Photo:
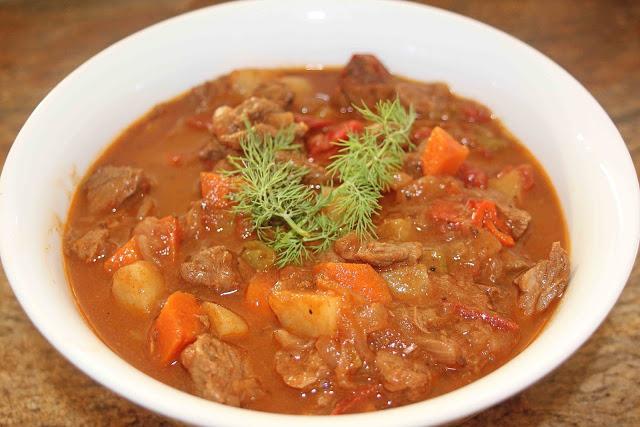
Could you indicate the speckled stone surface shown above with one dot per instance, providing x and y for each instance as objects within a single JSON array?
[{"x": 597, "y": 41}]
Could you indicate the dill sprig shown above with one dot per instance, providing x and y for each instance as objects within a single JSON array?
[
  {"x": 291, "y": 216},
  {"x": 285, "y": 213},
  {"x": 366, "y": 164}
]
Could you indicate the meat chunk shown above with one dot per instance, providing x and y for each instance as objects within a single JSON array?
[
  {"x": 220, "y": 371},
  {"x": 265, "y": 116},
  {"x": 155, "y": 238},
  {"x": 216, "y": 267},
  {"x": 274, "y": 91},
  {"x": 544, "y": 282},
  {"x": 429, "y": 99},
  {"x": 92, "y": 246},
  {"x": 517, "y": 219},
  {"x": 400, "y": 373},
  {"x": 365, "y": 79},
  {"x": 378, "y": 254},
  {"x": 109, "y": 186},
  {"x": 301, "y": 369}
]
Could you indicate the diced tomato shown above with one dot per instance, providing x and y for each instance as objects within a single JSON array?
[
  {"x": 476, "y": 113},
  {"x": 485, "y": 215},
  {"x": 324, "y": 144},
  {"x": 473, "y": 176},
  {"x": 244, "y": 227},
  {"x": 214, "y": 188},
  {"x": 200, "y": 121},
  {"x": 314, "y": 123}
]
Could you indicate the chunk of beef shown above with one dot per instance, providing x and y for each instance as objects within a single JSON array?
[
  {"x": 274, "y": 91},
  {"x": 400, "y": 373},
  {"x": 517, "y": 219},
  {"x": 220, "y": 371},
  {"x": 430, "y": 99},
  {"x": 191, "y": 222},
  {"x": 316, "y": 174},
  {"x": 216, "y": 267},
  {"x": 265, "y": 116},
  {"x": 365, "y": 79},
  {"x": 301, "y": 369},
  {"x": 213, "y": 151},
  {"x": 91, "y": 246},
  {"x": 109, "y": 186},
  {"x": 378, "y": 254},
  {"x": 544, "y": 282}
]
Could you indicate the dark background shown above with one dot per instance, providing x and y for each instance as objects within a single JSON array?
[{"x": 596, "y": 41}]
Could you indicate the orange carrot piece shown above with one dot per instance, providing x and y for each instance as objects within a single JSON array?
[
  {"x": 359, "y": 278},
  {"x": 443, "y": 155},
  {"x": 258, "y": 290},
  {"x": 177, "y": 326},
  {"x": 214, "y": 188},
  {"x": 124, "y": 255}
]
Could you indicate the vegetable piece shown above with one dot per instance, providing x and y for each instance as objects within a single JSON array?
[
  {"x": 177, "y": 326},
  {"x": 472, "y": 176},
  {"x": 124, "y": 255},
  {"x": 408, "y": 283},
  {"x": 170, "y": 236},
  {"x": 215, "y": 188},
  {"x": 300, "y": 86},
  {"x": 397, "y": 229},
  {"x": 258, "y": 255},
  {"x": 306, "y": 314},
  {"x": 443, "y": 155},
  {"x": 513, "y": 182},
  {"x": 361, "y": 279},
  {"x": 327, "y": 143},
  {"x": 225, "y": 323},
  {"x": 138, "y": 286},
  {"x": 485, "y": 214},
  {"x": 258, "y": 291}
]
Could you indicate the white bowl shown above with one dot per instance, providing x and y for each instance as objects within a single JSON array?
[{"x": 543, "y": 105}]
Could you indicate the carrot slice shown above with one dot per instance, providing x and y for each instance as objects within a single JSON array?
[
  {"x": 214, "y": 188},
  {"x": 485, "y": 214},
  {"x": 177, "y": 326},
  {"x": 443, "y": 155},
  {"x": 258, "y": 290},
  {"x": 359, "y": 278},
  {"x": 124, "y": 255}
]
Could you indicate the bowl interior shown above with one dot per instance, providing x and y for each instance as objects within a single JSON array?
[{"x": 540, "y": 103}]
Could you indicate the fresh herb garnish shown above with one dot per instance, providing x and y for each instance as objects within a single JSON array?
[{"x": 291, "y": 216}]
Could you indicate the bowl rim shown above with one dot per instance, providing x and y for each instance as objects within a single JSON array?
[{"x": 236, "y": 416}]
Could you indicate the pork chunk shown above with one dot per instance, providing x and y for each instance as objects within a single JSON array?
[
  {"x": 109, "y": 186},
  {"x": 377, "y": 254},
  {"x": 274, "y": 91},
  {"x": 216, "y": 267},
  {"x": 91, "y": 246},
  {"x": 265, "y": 116},
  {"x": 544, "y": 282},
  {"x": 301, "y": 369},
  {"x": 400, "y": 373},
  {"x": 426, "y": 98},
  {"x": 220, "y": 371},
  {"x": 365, "y": 79}
]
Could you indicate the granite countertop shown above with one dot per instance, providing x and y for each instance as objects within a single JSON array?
[{"x": 596, "y": 41}]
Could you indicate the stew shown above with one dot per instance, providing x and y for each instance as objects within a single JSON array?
[{"x": 317, "y": 241}]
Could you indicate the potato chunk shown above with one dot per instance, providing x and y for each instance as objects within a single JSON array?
[
  {"x": 306, "y": 314},
  {"x": 224, "y": 322},
  {"x": 408, "y": 282},
  {"x": 138, "y": 286}
]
